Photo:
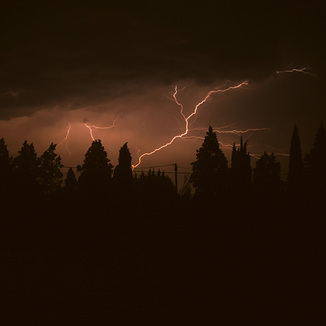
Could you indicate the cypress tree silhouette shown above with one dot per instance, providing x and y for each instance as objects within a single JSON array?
[
  {"x": 316, "y": 162},
  {"x": 240, "y": 168},
  {"x": 71, "y": 181},
  {"x": 50, "y": 176},
  {"x": 96, "y": 170},
  {"x": 210, "y": 169},
  {"x": 5, "y": 169},
  {"x": 123, "y": 171},
  {"x": 266, "y": 179},
  {"x": 296, "y": 167}
]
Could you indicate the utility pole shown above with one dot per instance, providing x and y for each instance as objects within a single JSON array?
[{"x": 176, "y": 176}]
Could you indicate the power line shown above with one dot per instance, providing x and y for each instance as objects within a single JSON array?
[
  {"x": 157, "y": 166},
  {"x": 143, "y": 168},
  {"x": 182, "y": 167}
]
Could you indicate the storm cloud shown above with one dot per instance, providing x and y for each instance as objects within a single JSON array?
[{"x": 56, "y": 52}]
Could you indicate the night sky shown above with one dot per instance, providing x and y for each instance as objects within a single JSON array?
[{"x": 67, "y": 63}]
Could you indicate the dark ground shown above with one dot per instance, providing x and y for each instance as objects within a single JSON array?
[{"x": 176, "y": 265}]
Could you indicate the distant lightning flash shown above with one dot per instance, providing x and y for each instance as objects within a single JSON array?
[
  {"x": 91, "y": 127},
  {"x": 303, "y": 70},
  {"x": 65, "y": 140},
  {"x": 186, "y": 119}
]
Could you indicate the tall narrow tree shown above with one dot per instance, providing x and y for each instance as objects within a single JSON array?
[
  {"x": 123, "y": 171},
  {"x": 316, "y": 162},
  {"x": 295, "y": 175},
  {"x": 5, "y": 168},
  {"x": 70, "y": 181},
  {"x": 241, "y": 168}
]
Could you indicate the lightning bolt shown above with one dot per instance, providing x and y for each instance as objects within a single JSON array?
[
  {"x": 303, "y": 70},
  {"x": 90, "y": 131},
  {"x": 64, "y": 141},
  {"x": 91, "y": 127},
  {"x": 186, "y": 119}
]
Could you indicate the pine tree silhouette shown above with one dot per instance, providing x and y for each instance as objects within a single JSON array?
[
  {"x": 210, "y": 169},
  {"x": 71, "y": 181},
  {"x": 96, "y": 170},
  {"x": 316, "y": 162},
  {"x": 50, "y": 175},
  {"x": 123, "y": 171},
  {"x": 5, "y": 169},
  {"x": 296, "y": 167}
]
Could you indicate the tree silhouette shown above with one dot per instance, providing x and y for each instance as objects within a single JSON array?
[
  {"x": 155, "y": 190},
  {"x": 26, "y": 170},
  {"x": 267, "y": 178},
  {"x": 210, "y": 169},
  {"x": 71, "y": 181},
  {"x": 240, "y": 168},
  {"x": 295, "y": 175},
  {"x": 5, "y": 168},
  {"x": 316, "y": 162},
  {"x": 96, "y": 170},
  {"x": 123, "y": 171},
  {"x": 50, "y": 176}
]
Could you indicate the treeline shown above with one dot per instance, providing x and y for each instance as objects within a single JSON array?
[
  {"x": 33, "y": 186},
  {"x": 306, "y": 177},
  {"x": 28, "y": 178},
  {"x": 246, "y": 248}
]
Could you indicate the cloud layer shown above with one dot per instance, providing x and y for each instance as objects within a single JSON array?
[{"x": 69, "y": 52}]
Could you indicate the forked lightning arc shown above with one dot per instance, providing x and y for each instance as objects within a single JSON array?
[
  {"x": 304, "y": 70},
  {"x": 186, "y": 119},
  {"x": 64, "y": 141},
  {"x": 184, "y": 134},
  {"x": 91, "y": 127}
]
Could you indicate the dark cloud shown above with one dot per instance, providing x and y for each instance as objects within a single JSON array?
[{"x": 71, "y": 51}]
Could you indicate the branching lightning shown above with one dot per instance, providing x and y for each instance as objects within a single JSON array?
[
  {"x": 90, "y": 130},
  {"x": 304, "y": 70},
  {"x": 91, "y": 127},
  {"x": 186, "y": 119},
  {"x": 64, "y": 141}
]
